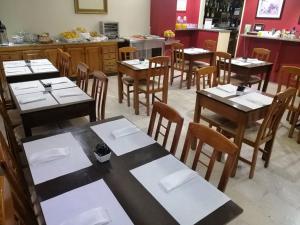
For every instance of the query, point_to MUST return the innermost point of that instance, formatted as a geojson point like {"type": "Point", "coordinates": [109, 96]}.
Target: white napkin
{"type": "Point", "coordinates": [69, 94]}
{"type": "Point", "coordinates": [228, 88]}
{"type": "Point", "coordinates": [26, 87]}
{"type": "Point", "coordinates": [177, 179]}
{"type": "Point", "coordinates": [48, 155]}
{"type": "Point", "coordinates": [26, 100]}
{"type": "Point", "coordinates": [125, 131]}
{"type": "Point", "coordinates": [95, 216]}
{"type": "Point", "coordinates": [58, 82]}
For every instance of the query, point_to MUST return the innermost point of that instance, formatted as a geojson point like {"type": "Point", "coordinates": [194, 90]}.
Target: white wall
{"type": "Point", "coordinates": [56, 16]}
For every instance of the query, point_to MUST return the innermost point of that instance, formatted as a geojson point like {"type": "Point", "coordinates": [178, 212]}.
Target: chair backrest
{"type": "Point", "coordinates": [158, 74]}
{"type": "Point", "coordinates": [177, 57]}
{"type": "Point", "coordinates": [10, 134]}
{"type": "Point", "coordinates": [271, 121]}
{"type": "Point", "coordinates": [58, 58]}
{"type": "Point", "coordinates": [210, 45]}
{"type": "Point", "coordinates": [64, 64]}
{"type": "Point", "coordinates": [208, 76]}
{"type": "Point", "coordinates": [83, 76]}
{"type": "Point", "coordinates": [219, 143]}
{"type": "Point", "coordinates": [33, 54]}
{"type": "Point", "coordinates": [163, 111]}
{"type": "Point", "coordinates": [261, 54]}
{"type": "Point", "coordinates": [99, 92]}
{"type": "Point", "coordinates": [13, 174]}
{"type": "Point", "coordinates": [127, 53]}
{"type": "Point", "coordinates": [223, 62]}
{"type": "Point", "coordinates": [7, 212]}
{"type": "Point", "coordinates": [289, 76]}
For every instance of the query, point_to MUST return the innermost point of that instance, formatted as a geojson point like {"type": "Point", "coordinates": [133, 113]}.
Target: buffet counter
{"type": "Point", "coordinates": [97, 55]}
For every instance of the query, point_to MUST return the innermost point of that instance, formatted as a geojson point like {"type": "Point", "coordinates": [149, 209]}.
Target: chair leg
{"type": "Point", "coordinates": [259, 85]}
{"type": "Point", "coordinates": [253, 162]}
{"type": "Point", "coordinates": [298, 139]}
{"type": "Point", "coordinates": [153, 98]}
{"type": "Point", "coordinates": [128, 96]}
{"type": "Point", "coordinates": [148, 104]}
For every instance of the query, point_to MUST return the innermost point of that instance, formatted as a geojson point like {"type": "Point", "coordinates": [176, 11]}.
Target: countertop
{"type": "Point", "coordinates": [202, 29]}
{"type": "Point", "coordinates": [270, 38]}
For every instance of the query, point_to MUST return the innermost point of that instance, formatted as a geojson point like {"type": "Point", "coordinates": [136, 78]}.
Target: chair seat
{"type": "Point", "coordinates": [128, 80]}
{"type": "Point", "coordinates": [254, 79]}
{"type": "Point", "coordinates": [14, 117]}
{"type": "Point", "coordinates": [200, 64]}
{"type": "Point", "coordinates": [143, 86]}
{"type": "Point", "coordinates": [212, 118]}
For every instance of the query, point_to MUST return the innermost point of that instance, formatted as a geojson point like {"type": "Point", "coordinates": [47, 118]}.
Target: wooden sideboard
{"type": "Point", "coordinates": [98, 56]}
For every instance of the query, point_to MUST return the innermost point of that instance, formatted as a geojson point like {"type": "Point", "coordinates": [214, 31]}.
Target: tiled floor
{"type": "Point", "coordinates": [271, 197]}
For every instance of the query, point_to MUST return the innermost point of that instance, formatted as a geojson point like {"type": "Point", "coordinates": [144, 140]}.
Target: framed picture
{"type": "Point", "coordinates": [258, 27]}
{"type": "Point", "coordinates": [181, 5]}
{"type": "Point", "coordinates": [90, 6]}
{"type": "Point", "coordinates": [269, 9]}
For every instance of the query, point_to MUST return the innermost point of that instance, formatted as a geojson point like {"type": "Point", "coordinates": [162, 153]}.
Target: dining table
{"type": "Point", "coordinates": [194, 54]}
{"type": "Point", "coordinates": [126, 189]}
{"type": "Point", "coordinates": [38, 105]}
{"type": "Point", "coordinates": [241, 108]}
{"type": "Point", "coordinates": [251, 66]}
{"type": "Point", "coordinates": [28, 70]}
{"type": "Point", "coordinates": [138, 70]}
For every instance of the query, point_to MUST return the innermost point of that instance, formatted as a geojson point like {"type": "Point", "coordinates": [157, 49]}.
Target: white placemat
{"type": "Point", "coordinates": [253, 100]}
{"type": "Point", "coordinates": [37, 62]}
{"type": "Point", "coordinates": [188, 203]}
{"type": "Point", "coordinates": [123, 144]}
{"type": "Point", "coordinates": [223, 90]}
{"type": "Point", "coordinates": [14, 71]}
{"type": "Point", "coordinates": [194, 50]}
{"type": "Point", "coordinates": [43, 68]}
{"type": "Point", "coordinates": [59, 83]}
{"type": "Point", "coordinates": [70, 95]}
{"type": "Point", "coordinates": [27, 87]}
{"type": "Point", "coordinates": [61, 208]}
{"type": "Point", "coordinates": [249, 61]}
{"type": "Point", "coordinates": [75, 161]}
{"type": "Point", "coordinates": [46, 99]}
{"type": "Point", "coordinates": [11, 64]}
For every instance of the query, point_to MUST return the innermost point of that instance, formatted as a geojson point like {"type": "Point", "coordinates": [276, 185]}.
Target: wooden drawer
{"type": "Point", "coordinates": [109, 49]}
{"type": "Point", "coordinates": [109, 56]}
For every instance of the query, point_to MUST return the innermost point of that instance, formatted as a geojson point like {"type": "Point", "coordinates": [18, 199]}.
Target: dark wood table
{"type": "Point", "coordinates": [192, 57]}
{"type": "Point", "coordinates": [137, 202]}
{"type": "Point", "coordinates": [136, 74]}
{"type": "Point", "coordinates": [239, 114]}
{"type": "Point", "coordinates": [54, 113]}
{"type": "Point", "coordinates": [13, 78]}
{"type": "Point", "coordinates": [254, 69]}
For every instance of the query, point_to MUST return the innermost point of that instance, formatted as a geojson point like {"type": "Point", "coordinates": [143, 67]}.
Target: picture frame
{"type": "Point", "coordinates": [258, 27]}
{"type": "Point", "coordinates": [90, 6]}
{"type": "Point", "coordinates": [269, 9]}
{"type": "Point", "coordinates": [181, 5]}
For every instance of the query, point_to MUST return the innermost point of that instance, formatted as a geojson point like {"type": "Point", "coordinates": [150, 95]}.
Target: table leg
{"type": "Point", "coordinates": [266, 81]}
{"type": "Point", "coordinates": [92, 114]}
{"type": "Point", "coordinates": [27, 130]}
{"type": "Point", "coordinates": [238, 140]}
{"type": "Point", "coordinates": [197, 114]}
{"type": "Point", "coordinates": [268, 148]}
{"type": "Point", "coordinates": [120, 87]}
{"type": "Point", "coordinates": [190, 74]}
{"type": "Point", "coordinates": [136, 95]}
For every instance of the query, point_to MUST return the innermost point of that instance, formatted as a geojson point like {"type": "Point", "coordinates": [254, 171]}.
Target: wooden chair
{"type": "Point", "coordinates": [157, 81]}
{"type": "Point", "coordinates": [13, 174]}
{"type": "Point", "coordinates": [99, 92]}
{"type": "Point", "coordinates": [33, 54]}
{"type": "Point", "coordinates": [83, 76]}
{"type": "Point", "coordinates": [258, 134]}
{"type": "Point", "coordinates": [172, 116]}
{"type": "Point", "coordinates": [218, 142]}
{"type": "Point", "coordinates": [127, 53]}
{"type": "Point", "coordinates": [289, 76]}
{"type": "Point", "coordinates": [223, 62]}
{"type": "Point", "coordinates": [207, 75]}
{"type": "Point", "coordinates": [52, 55]}
{"type": "Point", "coordinates": [64, 64]}
{"type": "Point", "coordinates": [209, 45]}
{"type": "Point", "coordinates": [8, 215]}
{"type": "Point", "coordinates": [260, 54]}
{"type": "Point", "coordinates": [178, 62]}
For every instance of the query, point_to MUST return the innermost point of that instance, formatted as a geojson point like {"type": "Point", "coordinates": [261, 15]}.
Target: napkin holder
{"type": "Point", "coordinates": [240, 90]}
{"type": "Point", "coordinates": [48, 87]}
{"type": "Point", "coordinates": [102, 152]}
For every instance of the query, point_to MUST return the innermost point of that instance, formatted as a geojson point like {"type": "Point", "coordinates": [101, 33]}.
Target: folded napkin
{"type": "Point", "coordinates": [228, 88]}
{"type": "Point", "coordinates": [48, 155]}
{"type": "Point", "coordinates": [125, 131]}
{"type": "Point", "coordinates": [26, 100]}
{"type": "Point", "coordinates": [26, 87]}
{"type": "Point", "coordinates": [177, 179]}
{"type": "Point", "coordinates": [95, 216]}
{"type": "Point", "coordinates": [58, 82]}
{"type": "Point", "coordinates": [69, 94]}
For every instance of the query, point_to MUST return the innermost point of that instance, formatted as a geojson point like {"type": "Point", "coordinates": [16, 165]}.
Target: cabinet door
{"type": "Point", "coordinates": [93, 58]}
{"type": "Point", "coordinates": [77, 56]}
{"type": "Point", "coordinates": [110, 55]}
{"type": "Point", "coordinates": [51, 55]}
